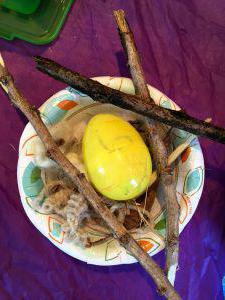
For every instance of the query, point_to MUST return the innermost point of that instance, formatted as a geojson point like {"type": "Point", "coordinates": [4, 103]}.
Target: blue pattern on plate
{"type": "Point", "coordinates": [165, 103]}
{"type": "Point", "coordinates": [76, 92]}
{"type": "Point", "coordinates": [52, 113]}
{"type": "Point", "coordinates": [193, 181]}
{"type": "Point", "coordinates": [56, 231]}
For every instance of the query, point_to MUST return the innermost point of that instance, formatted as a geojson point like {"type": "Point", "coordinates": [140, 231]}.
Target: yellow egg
{"type": "Point", "coordinates": [116, 158]}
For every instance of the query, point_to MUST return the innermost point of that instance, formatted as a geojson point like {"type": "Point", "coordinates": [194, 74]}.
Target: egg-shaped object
{"type": "Point", "coordinates": [116, 159]}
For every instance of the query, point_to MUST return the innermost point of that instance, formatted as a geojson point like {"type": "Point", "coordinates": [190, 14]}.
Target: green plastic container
{"type": "Point", "coordinates": [35, 21]}
{"type": "Point", "coordinates": [22, 6]}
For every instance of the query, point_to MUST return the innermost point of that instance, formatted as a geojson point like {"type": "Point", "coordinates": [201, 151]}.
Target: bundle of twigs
{"type": "Point", "coordinates": [142, 104]}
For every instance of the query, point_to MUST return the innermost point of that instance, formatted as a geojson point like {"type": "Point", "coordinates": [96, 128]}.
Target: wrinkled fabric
{"type": "Point", "coordinates": [182, 48]}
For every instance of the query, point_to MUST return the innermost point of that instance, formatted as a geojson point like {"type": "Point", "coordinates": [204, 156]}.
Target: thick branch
{"type": "Point", "coordinates": [105, 94]}
{"type": "Point", "coordinates": [157, 146]}
{"type": "Point", "coordinates": [84, 186]}
{"type": "Point", "coordinates": [167, 184]}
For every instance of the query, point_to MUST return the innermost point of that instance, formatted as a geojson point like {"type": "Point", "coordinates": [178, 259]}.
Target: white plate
{"type": "Point", "coordinates": [70, 103]}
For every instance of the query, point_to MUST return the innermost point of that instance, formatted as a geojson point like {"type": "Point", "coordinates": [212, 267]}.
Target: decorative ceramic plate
{"type": "Point", "coordinates": [70, 103]}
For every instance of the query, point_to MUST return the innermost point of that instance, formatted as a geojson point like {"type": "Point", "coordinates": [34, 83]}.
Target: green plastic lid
{"type": "Point", "coordinates": [35, 21]}
{"type": "Point", "coordinates": [21, 6]}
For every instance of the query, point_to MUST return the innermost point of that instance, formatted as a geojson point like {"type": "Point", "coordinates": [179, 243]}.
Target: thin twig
{"type": "Point", "coordinates": [100, 241]}
{"type": "Point", "coordinates": [145, 200]}
{"type": "Point", "coordinates": [84, 187]}
{"type": "Point", "coordinates": [96, 227]}
{"type": "Point", "coordinates": [157, 147]}
{"type": "Point", "coordinates": [140, 210]}
{"type": "Point", "coordinates": [168, 187]}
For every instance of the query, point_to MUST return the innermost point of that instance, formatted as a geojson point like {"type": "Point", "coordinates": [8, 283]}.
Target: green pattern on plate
{"type": "Point", "coordinates": [35, 175]}
{"type": "Point", "coordinates": [31, 180]}
{"type": "Point", "coordinates": [160, 225]}
{"type": "Point", "coordinates": [112, 250]}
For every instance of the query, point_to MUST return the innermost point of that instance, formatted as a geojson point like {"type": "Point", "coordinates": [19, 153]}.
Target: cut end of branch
{"type": "Point", "coordinates": [41, 62]}
{"type": "Point", "coordinates": [208, 120]}
{"type": "Point", "coordinates": [37, 58]}
{"type": "Point", "coordinates": [171, 274]}
{"type": "Point", "coordinates": [1, 60]}
{"type": "Point", "coordinates": [121, 20]}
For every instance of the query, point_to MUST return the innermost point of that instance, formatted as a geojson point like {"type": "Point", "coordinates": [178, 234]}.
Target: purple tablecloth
{"type": "Point", "coordinates": [182, 47]}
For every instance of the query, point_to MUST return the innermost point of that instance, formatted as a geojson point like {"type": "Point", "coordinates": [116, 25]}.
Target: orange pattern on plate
{"type": "Point", "coordinates": [27, 140]}
{"type": "Point", "coordinates": [66, 104]}
{"type": "Point", "coordinates": [145, 245]}
{"type": "Point", "coordinates": [185, 154]}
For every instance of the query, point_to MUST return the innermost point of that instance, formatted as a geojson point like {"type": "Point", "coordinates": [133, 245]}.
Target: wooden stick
{"type": "Point", "coordinates": [157, 147]}
{"type": "Point", "coordinates": [134, 61]}
{"type": "Point", "coordinates": [174, 156]}
{"type": "Point", "coordinates": [105, 94]}
{"type": "Point", "coordinates": [168, 186]}
{"type": "Point", "coordinates": [84, 187]}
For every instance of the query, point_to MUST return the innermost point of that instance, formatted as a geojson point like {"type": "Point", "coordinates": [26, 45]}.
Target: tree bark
{"type": "Point", "coordinates": [105, 94]}
{"type": "Point", "coordinates": [157, 147]}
